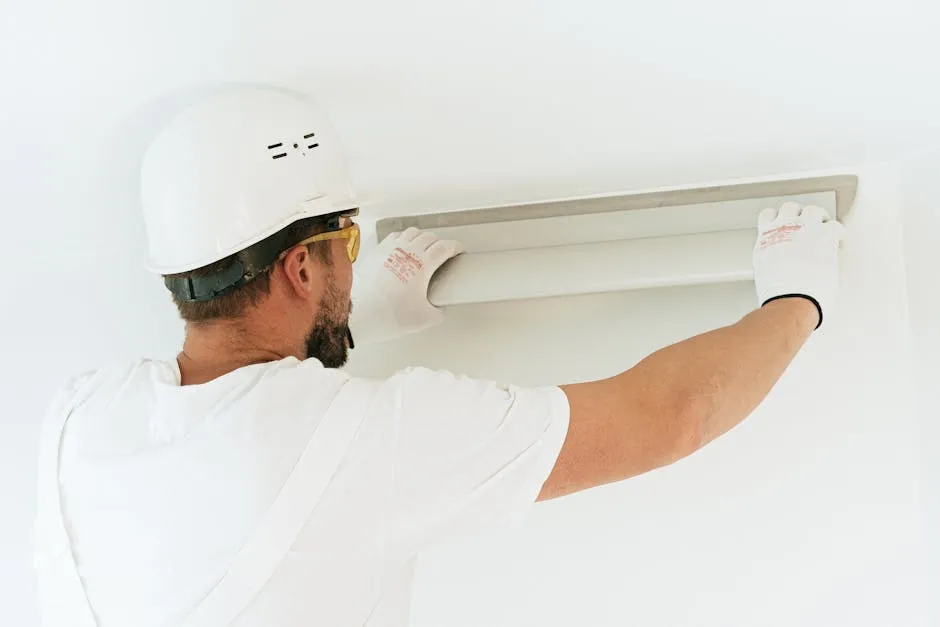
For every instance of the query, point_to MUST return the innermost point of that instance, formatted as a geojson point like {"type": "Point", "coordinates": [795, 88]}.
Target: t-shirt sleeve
{"type": "Point", "coordinates": [468, 453]}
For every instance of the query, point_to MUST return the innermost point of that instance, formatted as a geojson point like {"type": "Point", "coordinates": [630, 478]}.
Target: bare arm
{"type": "Point", "coordinates": [678, 399]}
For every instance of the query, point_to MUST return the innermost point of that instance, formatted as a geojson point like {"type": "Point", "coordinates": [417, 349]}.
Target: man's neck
{"type": "Point", "coordinates": [213, 350]}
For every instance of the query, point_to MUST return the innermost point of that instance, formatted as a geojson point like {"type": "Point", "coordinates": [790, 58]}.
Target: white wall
{"type": "Point", "coordinates": [921, 236]}
{"type": "Point", "coordinates": [808, 514]}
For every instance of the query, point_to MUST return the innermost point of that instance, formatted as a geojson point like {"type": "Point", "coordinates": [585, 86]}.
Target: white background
{"type": "Point", "coordinates": [449, 105]}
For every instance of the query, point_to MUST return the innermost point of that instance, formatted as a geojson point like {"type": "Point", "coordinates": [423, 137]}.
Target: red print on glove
{"type": "Point", "coordinates": [403, 265]}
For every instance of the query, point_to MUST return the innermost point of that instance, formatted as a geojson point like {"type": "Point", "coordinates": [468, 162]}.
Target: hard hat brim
{"type": "Point", "coordinates": [164, 269]}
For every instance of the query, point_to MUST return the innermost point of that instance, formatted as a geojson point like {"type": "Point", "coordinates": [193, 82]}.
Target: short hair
{"type": "Point", "coordinates": [234, 303]}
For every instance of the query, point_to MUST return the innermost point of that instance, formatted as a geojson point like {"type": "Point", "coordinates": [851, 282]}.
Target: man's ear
{"type": "Point", "coordinates": [299, 272]}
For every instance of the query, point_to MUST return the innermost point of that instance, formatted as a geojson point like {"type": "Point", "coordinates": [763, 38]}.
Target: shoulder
{"type": "Point", "coordinates": [415, 387]}
{"type": "Point", "coordinates": [79, 392]}
{"type": "Point", "coordinates": [430, 382]}
{"type": "Point", "coordinates": [78, 388]}
{"type": "Point", "coordinates": [441, 396]}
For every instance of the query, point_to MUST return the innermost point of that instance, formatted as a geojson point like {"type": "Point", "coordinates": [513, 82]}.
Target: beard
{"type": "Point", "coordinates": [327, 340]}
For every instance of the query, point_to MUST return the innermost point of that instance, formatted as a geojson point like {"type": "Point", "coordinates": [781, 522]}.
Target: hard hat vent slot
{"type": "Point", "coordinates": [280, 151]}
{"type": "Point", "coordinates": [312, 144]}
{"type": "Point", "coordinates": [278, 148]}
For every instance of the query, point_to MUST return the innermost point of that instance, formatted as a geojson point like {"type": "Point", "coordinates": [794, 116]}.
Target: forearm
{"type": "Point", "coordinates": [723, 375]}
{"type": "Point", "coordinates": [682, 397]}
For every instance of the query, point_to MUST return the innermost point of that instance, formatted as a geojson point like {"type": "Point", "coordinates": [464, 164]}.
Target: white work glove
{"type": "Point", "coordinates": [390, 286]}
{"type": "Point", "coordinates": [797, 254]}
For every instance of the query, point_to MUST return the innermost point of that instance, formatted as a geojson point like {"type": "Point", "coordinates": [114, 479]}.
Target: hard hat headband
{"type": "Point", "coordinates": [247, 265]}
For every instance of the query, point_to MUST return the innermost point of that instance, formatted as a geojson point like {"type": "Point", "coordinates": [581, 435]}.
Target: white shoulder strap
{"type": "Point", "coordinates": [62, 593]}
{"type": "Point", "coordinates": [259, 558]}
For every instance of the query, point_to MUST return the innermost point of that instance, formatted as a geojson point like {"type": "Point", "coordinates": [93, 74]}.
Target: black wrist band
{"type": "Point", "coordinates": [809, 298]}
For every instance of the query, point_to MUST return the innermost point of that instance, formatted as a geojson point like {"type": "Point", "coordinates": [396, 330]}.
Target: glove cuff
{"type": "Point", "coordinates": [806, 296]}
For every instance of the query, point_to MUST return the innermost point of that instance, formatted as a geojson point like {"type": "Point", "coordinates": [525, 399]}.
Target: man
{"type": "Point", "coordinates": [250, 482]}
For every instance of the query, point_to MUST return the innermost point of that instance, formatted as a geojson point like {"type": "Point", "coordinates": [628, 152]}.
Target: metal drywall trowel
{"type": "Point", "coordinates": [612, 243]}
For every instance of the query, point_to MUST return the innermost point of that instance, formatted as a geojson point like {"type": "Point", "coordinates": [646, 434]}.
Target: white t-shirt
{"type": "Point", "coordinates": [161, 485]}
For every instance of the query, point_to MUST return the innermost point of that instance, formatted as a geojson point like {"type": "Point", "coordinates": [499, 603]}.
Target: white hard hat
{"type": "Point", "coordinates": [233, 170]}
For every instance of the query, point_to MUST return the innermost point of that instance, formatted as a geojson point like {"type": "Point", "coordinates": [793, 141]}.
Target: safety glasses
{"type": "Point", "coordinates": [349, 233]}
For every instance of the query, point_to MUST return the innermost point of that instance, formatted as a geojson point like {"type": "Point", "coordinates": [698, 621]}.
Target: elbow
{"type": "Point", "coordinates": [690, 419]}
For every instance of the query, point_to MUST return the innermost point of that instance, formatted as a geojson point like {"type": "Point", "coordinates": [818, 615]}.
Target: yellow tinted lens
{"type": "Point", "coordinates": [352, 246]}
